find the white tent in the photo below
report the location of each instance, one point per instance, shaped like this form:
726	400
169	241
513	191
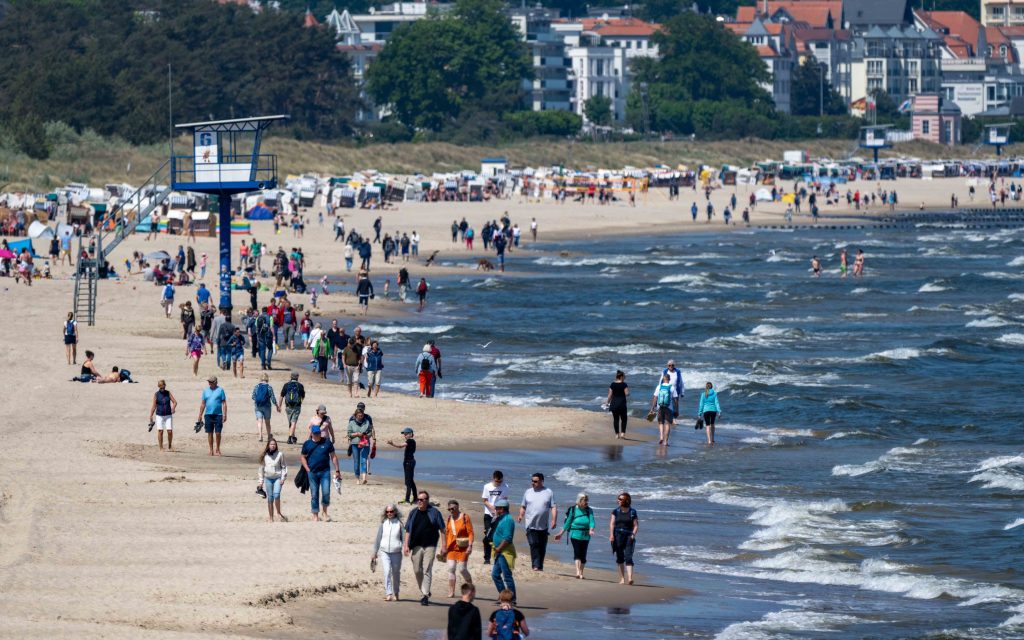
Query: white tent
39	230
763	195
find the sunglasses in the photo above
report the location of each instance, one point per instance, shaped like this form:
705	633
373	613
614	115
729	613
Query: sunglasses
534	481
421	499
389	511
451	508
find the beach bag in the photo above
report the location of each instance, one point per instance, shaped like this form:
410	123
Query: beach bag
664	395
699	424
262	395
125	375
425	364
505	625
461	542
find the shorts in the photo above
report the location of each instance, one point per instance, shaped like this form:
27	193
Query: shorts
373	378
293	413
213	422
167	302
165	423
352	373
709	418
665	414
238	356
364	301
263	412
70	339
198	353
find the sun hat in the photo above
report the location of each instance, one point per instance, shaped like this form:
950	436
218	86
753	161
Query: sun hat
501	503
407	430
212	379
321	407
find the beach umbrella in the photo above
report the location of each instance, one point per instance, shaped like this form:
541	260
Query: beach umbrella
6	253
157	256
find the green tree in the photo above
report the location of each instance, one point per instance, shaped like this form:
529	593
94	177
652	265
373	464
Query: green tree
468	64
704	77
598	110
812	93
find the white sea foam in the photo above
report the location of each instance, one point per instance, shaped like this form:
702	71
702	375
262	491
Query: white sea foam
860	290
620	260
896	459
932	287
1013	525
990	322
1002	275
844	434
1001	461
1016	339
788	621
899	353
1016	262
685	278
381	330
999	479
920	441
629	349
1016	296
858	316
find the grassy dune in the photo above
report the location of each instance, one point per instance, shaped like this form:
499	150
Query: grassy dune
94	160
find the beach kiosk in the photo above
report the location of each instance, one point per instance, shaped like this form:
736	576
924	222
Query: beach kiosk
225	161
873	137
997	135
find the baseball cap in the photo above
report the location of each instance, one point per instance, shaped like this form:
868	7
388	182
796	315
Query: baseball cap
295	376
501	503
361	405
315	428
212	379
322	408
407	430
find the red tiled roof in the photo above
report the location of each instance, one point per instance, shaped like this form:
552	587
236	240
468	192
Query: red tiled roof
310	20
739	28
813	12
619	27
765	51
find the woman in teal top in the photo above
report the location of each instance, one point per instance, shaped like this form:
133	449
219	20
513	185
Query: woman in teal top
579	522
708	409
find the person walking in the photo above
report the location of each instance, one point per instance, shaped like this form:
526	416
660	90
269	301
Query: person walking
265	339
213	413
408	463
194	348
708	411
163	408
538	514
236	353
661	402
425	368
71	338
293	394
464	621
373	362
421	293
188	319
318	458
422	531
503	531
458	545
623	527
351	356
579	523
321	348
364	291
362	439
264	402
387	551
496	489
167	298
273	473
618	392
676	378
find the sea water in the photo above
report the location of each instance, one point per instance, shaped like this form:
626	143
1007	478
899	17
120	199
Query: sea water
869	470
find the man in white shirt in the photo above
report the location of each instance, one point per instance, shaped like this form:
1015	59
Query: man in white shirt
496	489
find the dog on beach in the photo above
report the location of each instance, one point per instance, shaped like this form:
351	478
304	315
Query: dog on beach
483	264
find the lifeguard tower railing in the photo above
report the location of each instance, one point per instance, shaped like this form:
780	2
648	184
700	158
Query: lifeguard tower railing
243	172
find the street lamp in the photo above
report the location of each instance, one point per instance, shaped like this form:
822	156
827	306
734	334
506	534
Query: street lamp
821	89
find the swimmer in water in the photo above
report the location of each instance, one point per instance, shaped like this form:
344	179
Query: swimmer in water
816	266
842	263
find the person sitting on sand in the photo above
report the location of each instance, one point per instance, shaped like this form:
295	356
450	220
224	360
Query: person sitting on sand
115	375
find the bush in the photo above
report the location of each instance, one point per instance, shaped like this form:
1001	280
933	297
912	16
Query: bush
388	132
543	123
30	137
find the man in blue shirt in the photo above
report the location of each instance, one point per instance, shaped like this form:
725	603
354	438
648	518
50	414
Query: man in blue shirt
213	413
202	294
317	458
504	530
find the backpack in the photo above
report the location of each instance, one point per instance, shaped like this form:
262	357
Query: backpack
125	375
425	364
422	288
664	395
263	327
169	292
289	316
292	397
505	624
262	396
69	328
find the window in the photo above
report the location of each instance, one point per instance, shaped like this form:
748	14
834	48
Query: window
991	92
926	126
875	67
912	85
874	83
997	12
1002	51
948	93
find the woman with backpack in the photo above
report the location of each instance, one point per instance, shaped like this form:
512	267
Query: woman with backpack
273	472
263	399
623	528
708	410
361	438
71	338
663	401
421	293
458	545
579	522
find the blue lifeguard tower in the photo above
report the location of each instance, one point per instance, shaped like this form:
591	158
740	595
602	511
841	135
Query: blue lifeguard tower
998	135
226	160
873	137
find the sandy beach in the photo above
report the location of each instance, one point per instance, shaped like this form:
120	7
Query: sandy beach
103	535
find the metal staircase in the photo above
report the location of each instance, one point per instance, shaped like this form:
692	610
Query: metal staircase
138	206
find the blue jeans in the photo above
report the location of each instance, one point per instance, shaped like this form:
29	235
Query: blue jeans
266	353
273	488
502	575
359	457
319	489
